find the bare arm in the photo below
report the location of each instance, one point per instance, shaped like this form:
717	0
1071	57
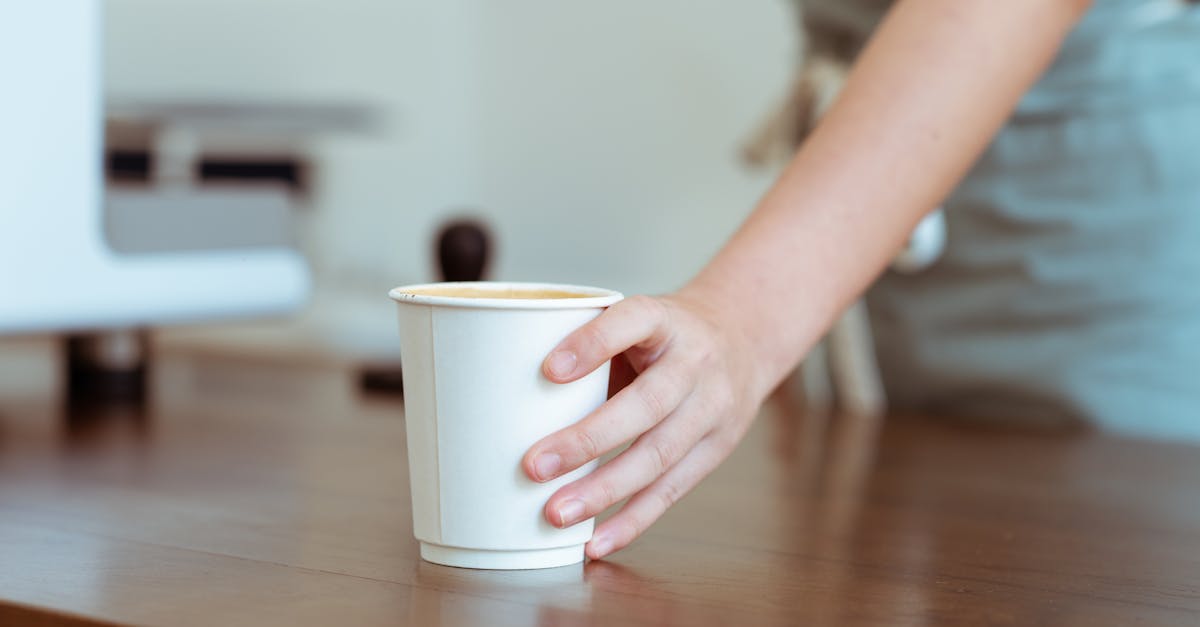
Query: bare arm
930	90
932	87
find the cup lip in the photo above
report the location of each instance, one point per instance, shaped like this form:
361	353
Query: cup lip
598	297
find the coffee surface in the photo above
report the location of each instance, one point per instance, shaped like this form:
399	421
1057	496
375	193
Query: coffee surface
488	292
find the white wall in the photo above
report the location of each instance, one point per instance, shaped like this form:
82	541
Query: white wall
599	138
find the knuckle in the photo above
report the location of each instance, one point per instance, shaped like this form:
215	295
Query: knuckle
702	358
649	306
666	386
669	495
636	522
635	526
663	454
639	301
721	396
725	440
607	492
726	437
595	338
585	444
654	400
701	348
656	502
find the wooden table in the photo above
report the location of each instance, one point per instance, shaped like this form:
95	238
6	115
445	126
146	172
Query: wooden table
259	495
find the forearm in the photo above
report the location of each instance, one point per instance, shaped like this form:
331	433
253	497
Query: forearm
929	91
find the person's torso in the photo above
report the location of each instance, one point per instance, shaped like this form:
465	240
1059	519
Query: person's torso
1068	287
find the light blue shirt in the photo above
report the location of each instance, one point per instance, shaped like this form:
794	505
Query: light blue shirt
1070	288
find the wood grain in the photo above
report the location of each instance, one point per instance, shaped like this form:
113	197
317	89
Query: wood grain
277	497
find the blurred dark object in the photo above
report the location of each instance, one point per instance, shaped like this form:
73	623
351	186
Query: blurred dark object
290	171
90	424
199	143
463	250
382	379
107	368
128	166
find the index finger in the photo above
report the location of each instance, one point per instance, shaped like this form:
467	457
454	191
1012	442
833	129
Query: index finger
635	321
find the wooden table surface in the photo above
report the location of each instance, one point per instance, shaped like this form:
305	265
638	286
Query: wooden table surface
253	495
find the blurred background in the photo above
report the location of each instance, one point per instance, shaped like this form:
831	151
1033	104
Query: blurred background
598	142
575	130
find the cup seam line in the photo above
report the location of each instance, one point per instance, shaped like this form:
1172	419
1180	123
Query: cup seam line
437	435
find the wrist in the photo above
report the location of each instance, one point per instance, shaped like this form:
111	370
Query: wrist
748	327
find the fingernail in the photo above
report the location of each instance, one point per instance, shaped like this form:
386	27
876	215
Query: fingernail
601	545
561	363
547	465
570	512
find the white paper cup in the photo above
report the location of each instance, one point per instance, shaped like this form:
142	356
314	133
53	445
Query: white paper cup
475	400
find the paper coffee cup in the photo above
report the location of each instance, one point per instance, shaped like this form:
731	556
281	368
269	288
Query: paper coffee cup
475	400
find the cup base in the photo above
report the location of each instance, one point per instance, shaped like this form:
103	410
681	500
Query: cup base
501	560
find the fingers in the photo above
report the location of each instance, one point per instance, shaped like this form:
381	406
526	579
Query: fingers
649	504
633	321
650	457
633	411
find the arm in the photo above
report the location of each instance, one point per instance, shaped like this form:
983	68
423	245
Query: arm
929	91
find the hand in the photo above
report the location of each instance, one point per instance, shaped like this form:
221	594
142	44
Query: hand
683	390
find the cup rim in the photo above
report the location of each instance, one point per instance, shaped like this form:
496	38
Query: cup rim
597	297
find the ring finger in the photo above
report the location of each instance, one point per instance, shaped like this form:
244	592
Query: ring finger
648	458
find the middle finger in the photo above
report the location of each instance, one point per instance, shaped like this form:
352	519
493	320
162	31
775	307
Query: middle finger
652	396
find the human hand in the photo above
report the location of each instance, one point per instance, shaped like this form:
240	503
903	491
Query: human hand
684	389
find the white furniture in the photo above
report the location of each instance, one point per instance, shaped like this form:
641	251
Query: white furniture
57	270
